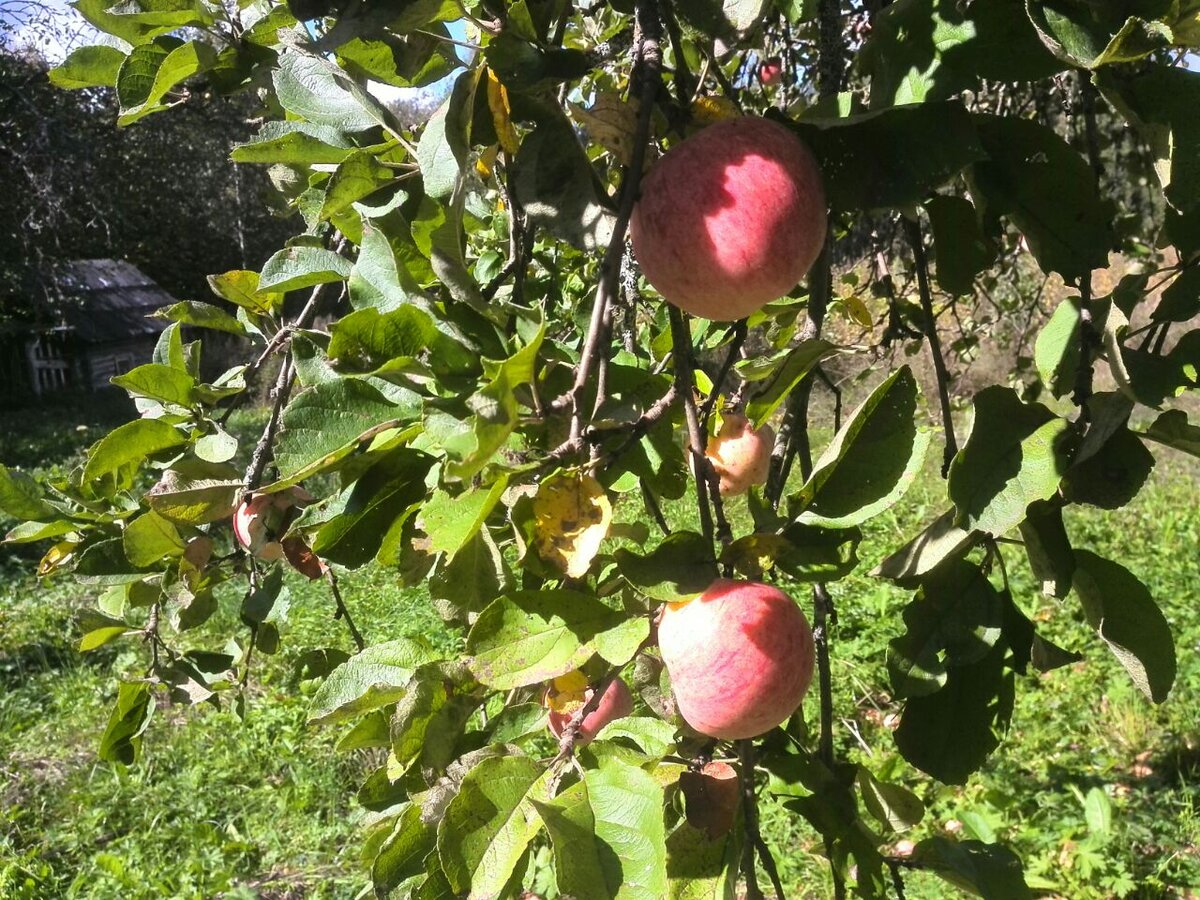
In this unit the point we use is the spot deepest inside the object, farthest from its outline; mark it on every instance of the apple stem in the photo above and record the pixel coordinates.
(738, 330)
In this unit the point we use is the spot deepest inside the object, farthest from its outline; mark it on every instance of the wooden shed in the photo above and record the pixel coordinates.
(105, 329)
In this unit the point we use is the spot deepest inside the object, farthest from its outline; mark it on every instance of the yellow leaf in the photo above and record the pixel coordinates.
(611, 122)
(707, 110)
(497, 96)
(571, 517)
(855, 309)
(574, 681)
(56, 556)
(486, 160)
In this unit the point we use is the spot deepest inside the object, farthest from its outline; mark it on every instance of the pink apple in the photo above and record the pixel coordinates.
(740, 658)
(615, 703)
(770, 70)
(730, 218)
(260, 521)
(740, 455)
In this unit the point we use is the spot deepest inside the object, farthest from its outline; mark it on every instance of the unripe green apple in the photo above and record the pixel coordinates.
(567, 695)
(740, 658)
(730, 218)
(740, 455)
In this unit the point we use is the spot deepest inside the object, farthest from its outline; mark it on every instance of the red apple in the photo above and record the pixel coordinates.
(770, 70)
(730, 218)
(566, 696)
(740, 455)
(740, 657)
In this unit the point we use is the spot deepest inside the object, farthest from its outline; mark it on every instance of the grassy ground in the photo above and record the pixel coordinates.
(1094, 788)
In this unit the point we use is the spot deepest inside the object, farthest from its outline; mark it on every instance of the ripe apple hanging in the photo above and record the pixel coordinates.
(730, 218)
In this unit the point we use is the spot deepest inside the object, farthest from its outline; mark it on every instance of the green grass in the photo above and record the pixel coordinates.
(264, 807)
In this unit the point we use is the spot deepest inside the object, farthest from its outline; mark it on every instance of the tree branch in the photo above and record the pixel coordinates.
(912, 231)
(343, 611)
(263, 451)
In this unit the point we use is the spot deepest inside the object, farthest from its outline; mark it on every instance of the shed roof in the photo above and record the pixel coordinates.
(114, 299)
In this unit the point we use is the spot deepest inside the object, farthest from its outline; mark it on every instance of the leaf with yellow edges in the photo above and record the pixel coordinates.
(571, 517)
(611, 122)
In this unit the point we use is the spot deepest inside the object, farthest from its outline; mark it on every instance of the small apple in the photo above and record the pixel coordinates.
(261, 520)
(730, 218)
(740, 455)
(711, 795)
(770, 71)
(567, 694)
(740, 658)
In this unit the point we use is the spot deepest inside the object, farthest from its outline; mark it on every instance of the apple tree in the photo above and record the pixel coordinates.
(472, 382)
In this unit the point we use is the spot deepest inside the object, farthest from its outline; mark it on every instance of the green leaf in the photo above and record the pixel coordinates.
(442, 149)
(961, 249)
(954, 620)
(892, 805)
(396, 341)
(373, 730)
(1112, 477)
(1015, 454)
(1057, 349)
(295, 144)
(608, 835)
(114, 459)
(316, 90)
(1171, 428)
(402, 854)
(196, 492)
(490, 823)
(681, 567)
(1181, 301)
(495, 409)
(1119, 607)
(379, 497)
(1048, 548)
(804, 552)
(324, 424)
(150, 538)
(99, 629)
(892, 158)
(357, 177)
(527, 637)
(21, 497)
(240, 288)
(122, 738)
(430, 717)
(452, 520)
(871, 461)
(127, 28)
(1047, 190)
(987, 870)
(202, 315)
(382, 277)
(32, 532)
(949, 734)
(293, 268)
(555, 185)
(783, 378)
(368, 680)
(941, 540)
(139, 99)
(88, 67)
(165, 384)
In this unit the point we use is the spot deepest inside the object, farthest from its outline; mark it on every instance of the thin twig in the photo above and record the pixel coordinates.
(263, 450)
(912, 230)
(685, 382)
(653, 507)
(343, 612)
(749, 820)
(646, 69)
(739, 338)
